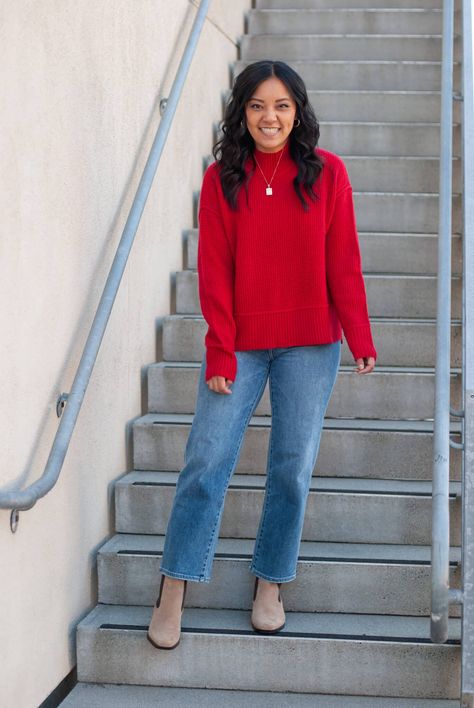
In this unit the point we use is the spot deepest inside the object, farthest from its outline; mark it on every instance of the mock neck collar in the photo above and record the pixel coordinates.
(270, 159)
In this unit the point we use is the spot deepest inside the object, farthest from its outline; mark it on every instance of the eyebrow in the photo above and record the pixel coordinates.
(286, 98)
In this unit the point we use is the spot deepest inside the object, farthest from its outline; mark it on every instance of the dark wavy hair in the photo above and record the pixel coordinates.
(237, 144)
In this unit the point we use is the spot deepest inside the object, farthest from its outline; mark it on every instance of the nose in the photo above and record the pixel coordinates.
(269, 116)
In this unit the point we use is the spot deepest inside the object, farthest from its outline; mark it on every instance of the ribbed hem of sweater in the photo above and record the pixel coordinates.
(303, 327)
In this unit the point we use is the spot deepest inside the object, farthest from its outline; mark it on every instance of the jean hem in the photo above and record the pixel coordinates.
(272, 579)
(185, 576)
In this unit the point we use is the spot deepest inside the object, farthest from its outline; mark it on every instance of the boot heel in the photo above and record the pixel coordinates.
(258, 629)
(157, 604)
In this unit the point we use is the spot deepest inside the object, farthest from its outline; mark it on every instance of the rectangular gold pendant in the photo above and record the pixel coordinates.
(269, 191)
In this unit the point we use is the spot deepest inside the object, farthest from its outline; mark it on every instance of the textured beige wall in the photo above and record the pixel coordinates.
(80, 85)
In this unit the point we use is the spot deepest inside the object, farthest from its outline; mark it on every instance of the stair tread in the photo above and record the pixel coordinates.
(308, 625)
(356, 92)
(143, 544)
(343, 35)
(400, 370)
(336, 485)
(344, 10)
(95, 695)
(374, 318)
(373, 275)
(413, 234)
(420, 62)
(411, 426)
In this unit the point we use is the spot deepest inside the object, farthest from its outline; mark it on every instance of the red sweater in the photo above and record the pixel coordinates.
(271, 274)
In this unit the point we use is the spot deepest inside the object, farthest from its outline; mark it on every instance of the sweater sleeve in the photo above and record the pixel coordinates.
(344, 272)
(215, 265)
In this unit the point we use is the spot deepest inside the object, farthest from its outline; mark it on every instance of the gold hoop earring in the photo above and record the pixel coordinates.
(297, 126)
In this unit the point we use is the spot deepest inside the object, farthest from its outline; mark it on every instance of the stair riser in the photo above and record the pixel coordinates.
(347, 21)
(397, 343)
(374, 75)
(379, 396)
(379, 107)
(255, 48)
(334, 517)
(346, 666)
(320, 586)
(386, 296)
(372, 174)
(406, 253)
(410, 140)
(357, 453)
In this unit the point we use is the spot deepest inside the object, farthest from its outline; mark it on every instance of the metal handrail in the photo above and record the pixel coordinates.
(440, 596)
(27, 498)
(467, 541)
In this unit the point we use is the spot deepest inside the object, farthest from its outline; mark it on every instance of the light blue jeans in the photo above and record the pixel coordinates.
(301, 383)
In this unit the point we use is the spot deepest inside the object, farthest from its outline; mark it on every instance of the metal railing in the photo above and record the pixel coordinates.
(440, 591)
(441, 594)
(27, 498)
(467, 539)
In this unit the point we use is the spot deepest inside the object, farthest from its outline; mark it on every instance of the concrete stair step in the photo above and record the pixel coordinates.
(388, 295)
(373, 105)
(368, 74)
(422, 106)
(385, 394)
(348, 20)
(405, 253)
(94, 695)
(372, 173)
(402, 174)
(416, 47)
(338, 510)
(310, 4)
(331, 577)
(399, 342)
(385, 139)
(315, 653)
(399, 449)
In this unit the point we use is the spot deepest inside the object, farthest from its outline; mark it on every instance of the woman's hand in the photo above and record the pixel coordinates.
(219, 384)
(365, 365)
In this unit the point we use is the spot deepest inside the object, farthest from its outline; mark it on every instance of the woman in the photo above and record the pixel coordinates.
(279, 272)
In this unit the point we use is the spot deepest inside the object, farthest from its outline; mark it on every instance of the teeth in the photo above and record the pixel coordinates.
(270, 131)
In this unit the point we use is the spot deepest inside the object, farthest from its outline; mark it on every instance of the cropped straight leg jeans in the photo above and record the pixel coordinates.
(301, 383)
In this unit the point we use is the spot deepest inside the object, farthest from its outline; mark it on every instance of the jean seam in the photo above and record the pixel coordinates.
(269, 479)
(225, 486)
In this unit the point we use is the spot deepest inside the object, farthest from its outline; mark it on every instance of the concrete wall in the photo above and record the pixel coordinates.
(81, 84)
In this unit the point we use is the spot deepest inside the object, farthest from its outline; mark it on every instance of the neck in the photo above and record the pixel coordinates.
(270, 159)
(278, 152)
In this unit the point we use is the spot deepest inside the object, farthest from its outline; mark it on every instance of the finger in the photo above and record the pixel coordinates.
(367, 368)
(218, 385)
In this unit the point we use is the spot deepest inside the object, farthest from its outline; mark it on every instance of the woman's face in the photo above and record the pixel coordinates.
(270, 106)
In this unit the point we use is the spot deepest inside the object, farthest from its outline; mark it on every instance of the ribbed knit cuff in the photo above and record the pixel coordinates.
(220, 363)
(359, 341)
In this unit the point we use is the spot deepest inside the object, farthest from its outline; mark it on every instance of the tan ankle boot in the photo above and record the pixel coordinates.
(268, 616)
(165, 629)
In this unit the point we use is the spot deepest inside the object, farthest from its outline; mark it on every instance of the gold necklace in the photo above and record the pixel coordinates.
(269, 190)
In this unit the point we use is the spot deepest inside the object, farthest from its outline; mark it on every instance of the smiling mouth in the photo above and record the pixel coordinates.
(269, 131)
